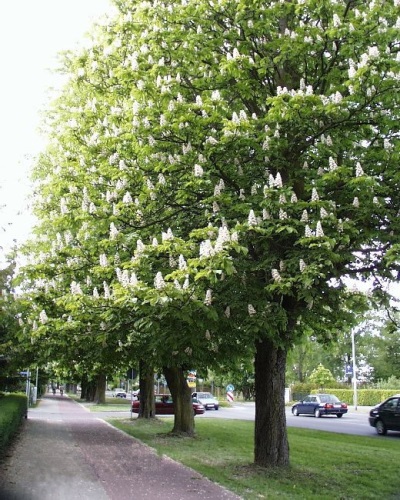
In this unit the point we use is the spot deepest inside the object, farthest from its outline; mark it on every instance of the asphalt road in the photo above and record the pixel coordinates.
(355, 422)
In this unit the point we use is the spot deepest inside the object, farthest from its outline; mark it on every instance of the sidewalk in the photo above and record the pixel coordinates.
(66, 453)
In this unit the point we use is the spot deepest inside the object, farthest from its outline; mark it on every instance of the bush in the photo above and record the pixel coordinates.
(392, 383)
(13, 408)
(365, 397)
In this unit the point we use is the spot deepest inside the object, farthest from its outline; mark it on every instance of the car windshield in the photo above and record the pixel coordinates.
(205, 395)
(328, 398)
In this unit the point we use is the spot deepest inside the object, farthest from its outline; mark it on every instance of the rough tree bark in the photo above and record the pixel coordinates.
(100, 394)
(146, 390)
(271, 447)
(88, 388)
(181, 395)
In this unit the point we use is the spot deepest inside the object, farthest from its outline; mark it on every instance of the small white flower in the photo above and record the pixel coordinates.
(319, 231)
(208, 299)
(227, 312)
(359, 170)
(356, 202)
(265, 214)
(251, 310)
(107, 293)
(336, 21)
(302, 265)
(308, 233)
(314, 194)
(43, 317)
(168, 235)
(282, 214)
(252, 219)
(159, 282)
(76, 289)
(140, 248)
(276, 276)
(332, 164)
(113, 231)
(323, 213)
(304, 216)
(206, 249)
(278, 181)
(127, 199)
(182, 263)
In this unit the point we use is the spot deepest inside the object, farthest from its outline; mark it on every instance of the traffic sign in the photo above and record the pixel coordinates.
(230, 388)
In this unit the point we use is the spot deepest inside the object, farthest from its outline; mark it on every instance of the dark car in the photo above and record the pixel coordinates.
(386, 415)
(320, 404)
(165, 405)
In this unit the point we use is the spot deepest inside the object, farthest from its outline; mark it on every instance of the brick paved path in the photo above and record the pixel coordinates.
(65, 452)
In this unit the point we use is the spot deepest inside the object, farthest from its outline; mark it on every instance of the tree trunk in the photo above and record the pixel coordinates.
(84, 386)
(90, 390)
(146, 390)
(182, 397)
(100, 394)
(271, 447)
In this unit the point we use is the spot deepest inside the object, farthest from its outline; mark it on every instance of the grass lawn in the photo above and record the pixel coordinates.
(323, 464)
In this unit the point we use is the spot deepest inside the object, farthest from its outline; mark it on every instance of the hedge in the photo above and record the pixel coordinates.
(13, 408)
(365, 397)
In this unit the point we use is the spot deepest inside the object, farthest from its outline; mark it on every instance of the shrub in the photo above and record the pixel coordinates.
(365, 397)
(392, 383)
(13, 409)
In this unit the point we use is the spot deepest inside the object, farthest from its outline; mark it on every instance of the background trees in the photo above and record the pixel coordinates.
(214, 173)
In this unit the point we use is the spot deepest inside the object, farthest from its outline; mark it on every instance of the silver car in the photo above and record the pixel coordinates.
(207, 400)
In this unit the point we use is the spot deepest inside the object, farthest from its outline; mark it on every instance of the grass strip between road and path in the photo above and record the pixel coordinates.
(323, 464)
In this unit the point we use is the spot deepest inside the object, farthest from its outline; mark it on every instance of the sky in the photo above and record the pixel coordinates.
(32, 34)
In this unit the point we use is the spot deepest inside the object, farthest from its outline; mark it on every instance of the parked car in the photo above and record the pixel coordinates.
(119, 393)
(206, 399)
(386, 415)
(165, 405)
(320, 404)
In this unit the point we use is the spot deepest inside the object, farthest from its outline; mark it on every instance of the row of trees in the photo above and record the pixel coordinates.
(215, 170)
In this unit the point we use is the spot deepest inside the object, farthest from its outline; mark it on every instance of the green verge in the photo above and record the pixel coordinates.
(13, 408)
(323, 464)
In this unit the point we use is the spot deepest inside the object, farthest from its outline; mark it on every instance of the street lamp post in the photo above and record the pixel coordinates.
(353, 349)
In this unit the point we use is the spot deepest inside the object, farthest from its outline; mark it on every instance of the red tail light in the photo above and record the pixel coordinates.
(344, 405)
(328, 405)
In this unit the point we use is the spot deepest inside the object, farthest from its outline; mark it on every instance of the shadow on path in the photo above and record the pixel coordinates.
(66, 453)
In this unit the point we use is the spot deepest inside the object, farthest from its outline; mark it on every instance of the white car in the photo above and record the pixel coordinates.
(119, 393)
(206, 399)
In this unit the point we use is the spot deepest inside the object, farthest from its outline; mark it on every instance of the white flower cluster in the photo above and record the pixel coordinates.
(76, 288)
(208, 298)
(251, 310)
(103, 260)
(43, 317)
(276, 276)
(208, 250)
(159, 282)
(167, 236)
